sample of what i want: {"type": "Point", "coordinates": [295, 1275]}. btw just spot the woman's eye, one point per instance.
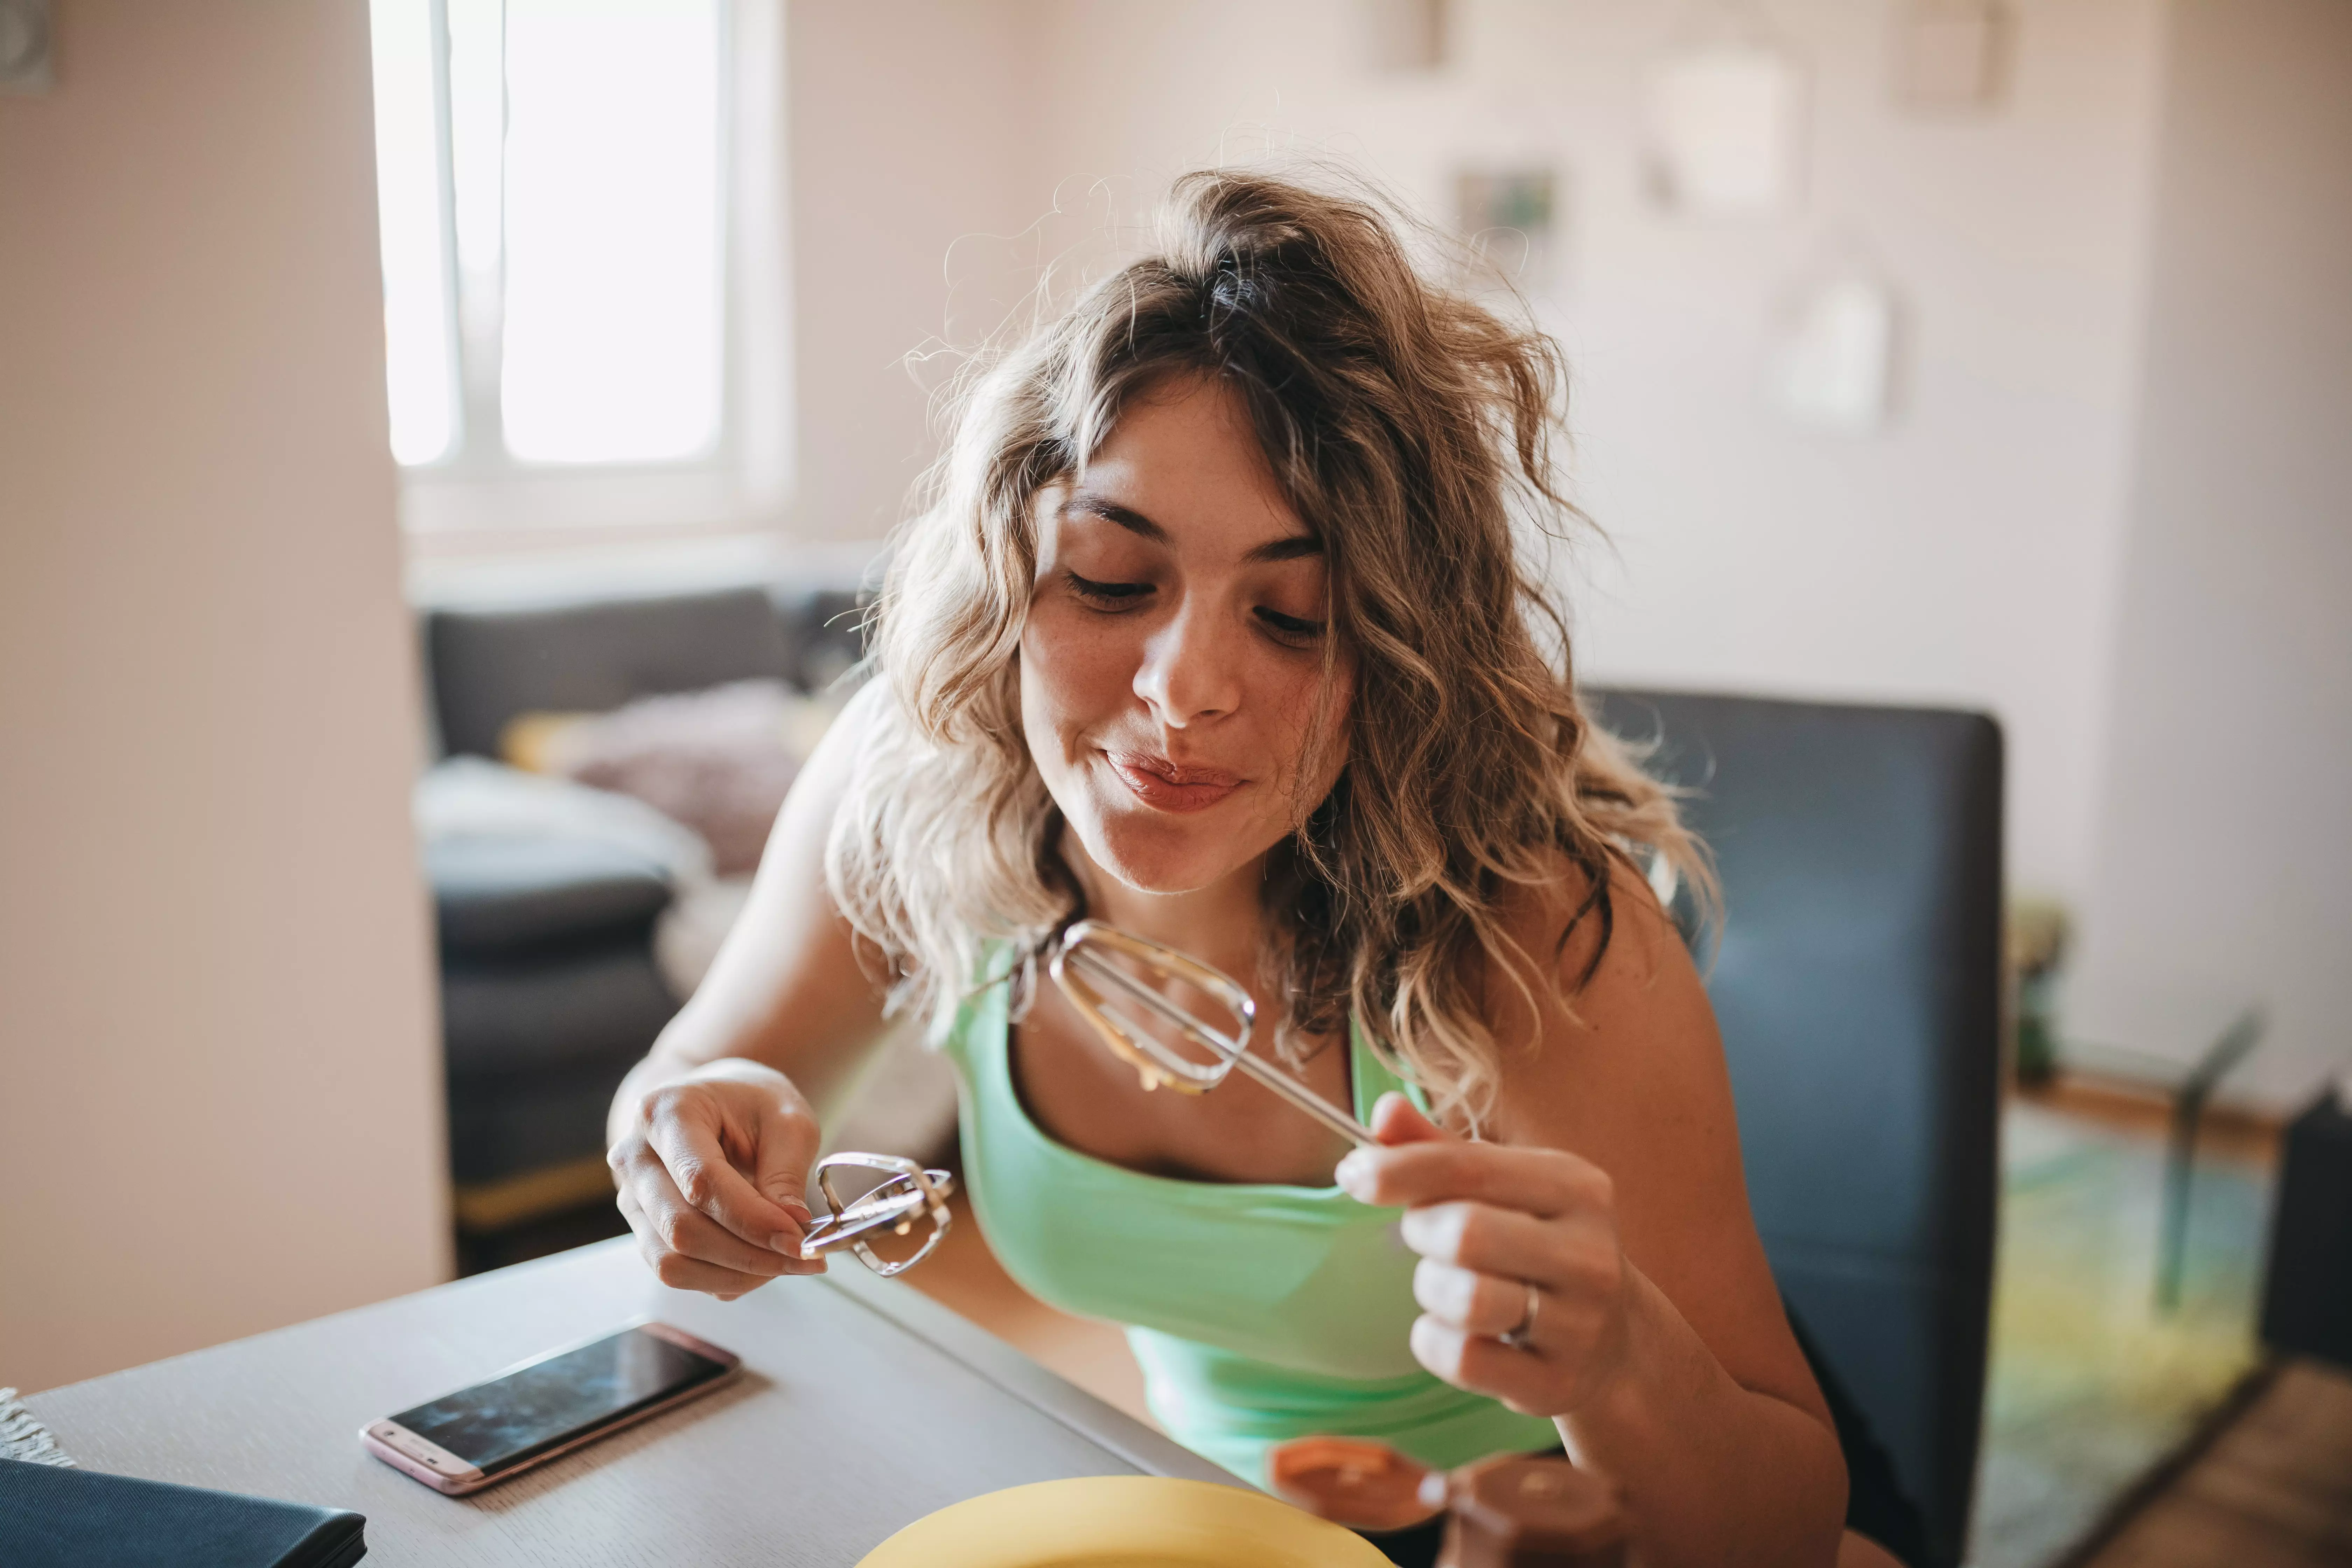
{"type": "Point", "coordinates": [1289, 630]}
{"type": "Point", "coordinates": [1106, 596]}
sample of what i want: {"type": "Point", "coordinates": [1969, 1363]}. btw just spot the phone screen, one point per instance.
{"type": "Point", "coordinates": [509, 1419]}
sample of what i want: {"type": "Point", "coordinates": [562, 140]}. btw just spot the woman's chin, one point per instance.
{"type": "Point", "coordinates": [1163, 856]}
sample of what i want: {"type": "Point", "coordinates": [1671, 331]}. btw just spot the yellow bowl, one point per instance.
{"type": "Point", "coordinates": [1123, 1522]}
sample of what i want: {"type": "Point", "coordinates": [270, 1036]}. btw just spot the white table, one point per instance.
{"type": "Point", "coordinates": [862, 1406]}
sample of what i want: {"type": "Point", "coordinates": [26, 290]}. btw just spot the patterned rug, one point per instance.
{"type": "Point", "coordinates": [2090, 1383]}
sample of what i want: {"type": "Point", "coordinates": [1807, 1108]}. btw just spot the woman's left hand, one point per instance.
{"type": "Point", "coordinates": [1513, 1241]}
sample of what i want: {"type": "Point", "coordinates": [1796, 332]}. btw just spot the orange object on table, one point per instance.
{"type": "Point", "coordinates": [1509, 1511]}
{"type": "Point", "coordinates": [1356, 1483]}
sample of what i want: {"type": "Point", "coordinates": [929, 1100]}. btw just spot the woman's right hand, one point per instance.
{"type": "Point", "coordinates": [711, 1168]}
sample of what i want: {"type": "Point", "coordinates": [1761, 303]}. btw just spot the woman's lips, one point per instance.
{"type": "Point", "coordinates": [1157, 782]}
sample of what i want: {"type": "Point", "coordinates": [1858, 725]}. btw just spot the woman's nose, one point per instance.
{"type": "Point", "coordinates": [1190, 670]}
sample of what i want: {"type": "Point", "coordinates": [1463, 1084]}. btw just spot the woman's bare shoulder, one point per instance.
{"type": "Point", "coordinates": [1585, 938]}
{"type": "Point", "coordinates": [1606, 1009]}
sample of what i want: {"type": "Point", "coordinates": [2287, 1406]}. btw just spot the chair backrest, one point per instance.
{"type": "Point", "coordinates": [1857, 981]}
{"type": "Point", "coordinates": [489, 665]}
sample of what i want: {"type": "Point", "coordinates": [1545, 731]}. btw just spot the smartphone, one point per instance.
{"type": "Point", "coordinates": [550, 1405]}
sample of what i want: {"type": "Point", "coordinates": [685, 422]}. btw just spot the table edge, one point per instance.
{"type": "Point", "coordinates": [1046, 1392]}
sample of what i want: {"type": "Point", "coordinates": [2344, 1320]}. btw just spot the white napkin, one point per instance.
{"type": "Point", "coordinates": [21, 1436]}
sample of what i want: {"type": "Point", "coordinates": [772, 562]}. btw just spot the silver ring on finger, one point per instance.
{"type": "Point", "coordinates": [1518, 1336]}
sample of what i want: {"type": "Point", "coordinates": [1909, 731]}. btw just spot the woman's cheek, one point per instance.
{"type": "Point", "coordinates": [1313, 717]}
{"type": "Point", "coordinates": [1071, 674]}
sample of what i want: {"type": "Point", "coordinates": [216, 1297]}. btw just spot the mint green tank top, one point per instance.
{"type": "Point", "coordinates": [1258, 1313]}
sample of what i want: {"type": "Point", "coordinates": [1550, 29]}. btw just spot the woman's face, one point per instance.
{"type": "Point", "coordinates": [1173, 655]}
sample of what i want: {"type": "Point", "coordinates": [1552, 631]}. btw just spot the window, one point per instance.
{"type": "Point", "coordinates": [560, 219]}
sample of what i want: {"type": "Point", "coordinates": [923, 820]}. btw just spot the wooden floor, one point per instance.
{"type": "Point", "coordinates": [2270, 1488]}
{"type": "Point", "coordinates": [2227, 1130]}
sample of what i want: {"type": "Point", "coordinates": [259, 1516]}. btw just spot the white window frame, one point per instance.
{"type": "Point", "coordinates": [480, 501]}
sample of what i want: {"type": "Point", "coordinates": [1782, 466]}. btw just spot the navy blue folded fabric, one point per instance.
{"type": "Point", "coordinates": [56, 1518]}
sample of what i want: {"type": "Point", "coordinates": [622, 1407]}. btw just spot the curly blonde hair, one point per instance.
{"type": "Point", "coordinates": [1413, 430]}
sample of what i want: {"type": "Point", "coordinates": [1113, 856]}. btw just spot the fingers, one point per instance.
{"type": "Point", "coordinates": [1566, 1346]}
{"type": "Point", "coordinates": [676, 1270]}
{"type": "Point", "coordinates": [690, 1171]}
{"type": "Point", "coordinates": [1577, 1253]}
{"type": "Point", "coordinates": [1396, 1120]}
{"type": "Point", "coordinates": [1483, 1365]}
{"type": "Point", "coordinates": [686, 1136]}
{"type": "Point", "coordinates": [1546, 1182]}
{"type": "Point", "coordinates": [786, 1148]}
{"type": "Point", "coordinates": [1497, 1227]}
{"type": "Point", "coordinates": [1464, 1299]}
{"type": "Point", "coordinates": [687, 1249]}
{"type": "Point", "coordinates": [685, 1274]}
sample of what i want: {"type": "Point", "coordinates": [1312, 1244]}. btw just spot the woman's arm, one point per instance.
{"type": "Point", "coordinates": [713, 1134]}
{"type": "Point", "coordinates": [1613, 1186]}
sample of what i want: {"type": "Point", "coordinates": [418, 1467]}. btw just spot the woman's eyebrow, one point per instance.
{"type": "Point", "coordinates": [1288, 547]}
{"type": "Point", "coordinates": [1126, 517]}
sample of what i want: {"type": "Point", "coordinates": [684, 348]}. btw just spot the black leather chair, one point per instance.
{"type": "Point", "coordinates": [1857, 979]}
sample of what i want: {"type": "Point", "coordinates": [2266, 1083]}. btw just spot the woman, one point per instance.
{"type": "Point", "coordinates": [1214, 629]}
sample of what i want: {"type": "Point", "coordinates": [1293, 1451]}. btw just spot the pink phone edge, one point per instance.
{"type": "Point", "coordinates": [416, 1471]}
{"type": "Point", "coordinates": [447, 1486]}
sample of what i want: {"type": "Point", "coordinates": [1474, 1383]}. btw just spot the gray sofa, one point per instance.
{"type": "Point", "coordinates": [549, 990]}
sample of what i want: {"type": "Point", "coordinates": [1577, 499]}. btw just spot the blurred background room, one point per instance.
{"type": "Point", "coordinates": [444, 444]}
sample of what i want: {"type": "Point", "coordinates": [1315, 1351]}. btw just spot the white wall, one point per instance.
{"type": "Point", "coordinates": [1968, 556]}
{"type": "Point", "coordinates": [2224, 850]}
{"type": "Point", "coordinates": [219, 1092]}
{"type": "Point", "coordinates": [911, 153]}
